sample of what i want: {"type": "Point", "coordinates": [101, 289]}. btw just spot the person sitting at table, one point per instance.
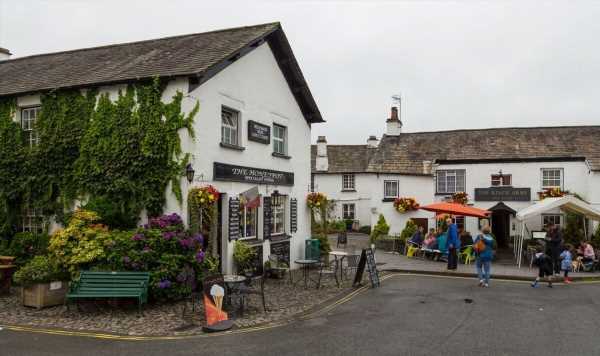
{"type": "Point", "coordinates": [587, 251]}
{"type": "Point", "coordinates": [430, 239]}
{"type": "Point", "coordinates": [415, 242]}
{"type": "Point", "coordinates": [465, 239]}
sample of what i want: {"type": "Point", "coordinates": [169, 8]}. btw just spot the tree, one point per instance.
{"type": "Point", "coordinates": [381, 228]}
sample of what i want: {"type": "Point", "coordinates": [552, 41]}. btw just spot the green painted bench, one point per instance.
{"type": "Point", "coordinates": [94, 285]}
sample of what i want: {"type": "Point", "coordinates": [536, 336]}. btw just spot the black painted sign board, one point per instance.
{"type": "Point", "coordinates": [234, 218]}
{"type": "Point", "coordinates": [232, 173]}
{"type": "Point", "coordinates": [258, 132]}
{"type": "Point", "coordinates": [502, 194]}
{"type": "Point", "coordinates": [367, 259]}
{"type": "Point", "coordinates": [282, 251]}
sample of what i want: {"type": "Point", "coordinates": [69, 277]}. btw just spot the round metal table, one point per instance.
{"type": "Point", "coordinates": [232, 282]}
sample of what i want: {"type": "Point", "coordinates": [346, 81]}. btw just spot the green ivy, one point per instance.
{"type": "Point", "coordinates": [127, 152]}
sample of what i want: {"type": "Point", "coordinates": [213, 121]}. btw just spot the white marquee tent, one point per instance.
{"type": "Point", "coordinates": [567, 203]}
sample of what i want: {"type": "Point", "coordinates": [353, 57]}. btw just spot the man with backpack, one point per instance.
{"type": "Point", "coordinates": [484, 251]}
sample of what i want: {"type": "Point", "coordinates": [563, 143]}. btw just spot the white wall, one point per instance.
{"type": "Point", "coordinates": [331, 184]}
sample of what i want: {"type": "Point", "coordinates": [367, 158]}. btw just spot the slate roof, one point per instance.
{"type": "Point", "coordinates": [345, 158]}
{"type": "Point", "coordinates": [405, 154]}
{"type": "Point", "coordinates": [201, 55]}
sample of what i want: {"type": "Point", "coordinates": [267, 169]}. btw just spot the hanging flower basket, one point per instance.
{"type": "Point", "coordinates": [551, 193]}
{"type": "Point", "coordinates": [404, 205]}
{"type": "Point", "coordinates": [460, 198]}
{"type": "Point", "coordinates": [204, 197]}
{"type": "Point", "coordinates": [316, 200]}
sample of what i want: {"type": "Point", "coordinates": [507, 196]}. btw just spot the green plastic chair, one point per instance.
{"type": "Point", "coordinates": [467, 255]}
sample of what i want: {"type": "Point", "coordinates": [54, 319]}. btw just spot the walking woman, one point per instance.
{"type": "Point", "coordinates": [483, 247]}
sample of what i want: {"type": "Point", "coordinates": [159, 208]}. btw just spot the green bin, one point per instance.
{"type": "Point", "coordinates": [312, 249]}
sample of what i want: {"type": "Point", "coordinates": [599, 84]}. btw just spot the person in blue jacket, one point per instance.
{"type": "Point", "coordinates": [485, 253]}
{"type": "Point", "coordinates": [453, 244]}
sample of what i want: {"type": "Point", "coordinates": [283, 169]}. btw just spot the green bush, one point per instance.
{"type": "Point", "coordinates": [26, 245]}
{"type": "Point", "coordinates": [573, 232]}
{"type": "Point", "coordinates": [409, 229]}
{"type": "Point", "coordinates": [324, 246]}
{"type": "Point", "coordinates": [337, 225]}
{"type": "Point", "coordinates": [365, 229]}
{"type": "Point", "coordinates": [112, 213]}
{"type": "Point", "coordinates": [40, 269]}
{"type": "Point", "coordinates": [243, 255]}
{"type": "Point", "coordinates": [596, 238]}
{"type": "Point", "coordinates": [381, 228]}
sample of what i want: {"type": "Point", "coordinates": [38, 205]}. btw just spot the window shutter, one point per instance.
{"type": "Point", "coordinates": [267, 217]}
{"type": "Point", "coordinates": [234, 218]}
{"type": "Point", "coordinates": [293, 215]}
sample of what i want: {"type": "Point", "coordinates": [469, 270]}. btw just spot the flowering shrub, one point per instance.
{"type": "Point", "coordinates": [316, 200]}
{"type": "Point", "coordinates": [204, 196]}
{"type": "Point", "coordinates": [551, 193]}
{"type": "Point", "coordinates": [40, 269]}
{"type": "Point", "coordinates": [403, 205]}
{"type": "Point", "coordinates": [460, 198]}
{"type": "Point", "coordinates": [80, 244]}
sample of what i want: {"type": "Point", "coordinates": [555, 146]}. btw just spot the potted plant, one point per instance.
{"type": "Point", "coordinates": [349, 223]}
{"type": "Point", "coordinates": [243, 255]}
{"type": "Point", "coordinates": [276, 269]}
{"type": "Point", "coordinates": [43, 283]}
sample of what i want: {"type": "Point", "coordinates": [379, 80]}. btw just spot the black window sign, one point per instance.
{"type": "Point", "coordinates": [231, 173]}
{"type": "Point", "coordinates": [267, 217]}
{"type": "Point", "coordinates": [367, 259]}
{"type": "Point", "coordinates": [258, 132]}
{"type": "Point", "coordinates": [293, 215]}
{"type": "Point", "coordinates": [282, 251]}
{"type": "Point", "coordinates": [234, 218]}
{"type": "Point", "coordinates": [502, 194]}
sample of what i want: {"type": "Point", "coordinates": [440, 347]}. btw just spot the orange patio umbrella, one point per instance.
{"type": "Point", "coordinates": [456, 209]}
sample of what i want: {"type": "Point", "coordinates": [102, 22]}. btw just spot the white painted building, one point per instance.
{"type": "Point", "coordinates": [252, 130]}
{"type": "Point", "coordinates": [501, 170]}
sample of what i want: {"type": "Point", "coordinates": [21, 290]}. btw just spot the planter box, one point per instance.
{"type": "Point", "coordinates": [44, 294]}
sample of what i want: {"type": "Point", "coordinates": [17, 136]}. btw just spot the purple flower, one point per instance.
{"type": "Point", "coordinates": [199, 238]}
{"type": "Point", "coordinates": [186, 243]}
{"type": "Point", "coordinates": [200, 256]}
{"type": "Point", "coordinates": [163, 284]}
{"type": "Point", "coordinates": [138, 237]}
{"type": "Point", "coordinates": [126, 259]}
{"type": "Point", "coordinates": [167, 235]}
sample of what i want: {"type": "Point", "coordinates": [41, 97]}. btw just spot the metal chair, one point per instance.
{"type": "Point", "coordinates": [352, 261]}
{"type": "Point", "coordinates": [253, 286]}
{"type": "Point", "coordinates": [326, 269]}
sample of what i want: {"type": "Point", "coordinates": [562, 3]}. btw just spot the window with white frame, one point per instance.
{"type": "Point", "coordinates": [279, 139]}
{"type": "Point", "coordinates": [28, 118]}
{"type": "Point", "coordinates": [278, 216]}
{"type": "Point", "coordinates": [32, 221]}
{"type": "Point", "coordinates": [552, 178]}
{"type": "Point", "coordinates": [459, 221]}
{"type": "Point", "coordinates": [248, 222]}
{"type": "Point", "coordinates": [555, 219]}
{"type": "Point", "coordinates": [450, 181]}
{"type": "Point", "coordinates": [499, 180]}
{"type": "Point", "coordinates": [348, 182]}
{"type": "Point", "coordinates": [390, 189]}
{"type": "Point", "coordinates": [348, 211]}
{"type": "Point", "coordinates": [230, 123]}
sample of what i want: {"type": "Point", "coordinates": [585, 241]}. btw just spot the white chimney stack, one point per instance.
{"type": "Point", "coordinates": [394, 125]}
{"type": "Point", "coordinates": [427, 166]}
{"type": "Point", "coordinates": [322, 162]}
{"type": "Point", "coordinates": [372, 142]}
{"type": "Point", "coordinates": [4, 54]}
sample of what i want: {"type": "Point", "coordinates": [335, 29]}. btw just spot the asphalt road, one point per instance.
{"type": "Point", "coordinates": [408, 315]}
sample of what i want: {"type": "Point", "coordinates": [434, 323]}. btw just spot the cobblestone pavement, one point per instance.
{"type": "Point", "coordinates": [283, 301]}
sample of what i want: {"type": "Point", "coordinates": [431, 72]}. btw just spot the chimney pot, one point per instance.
{"type": "Point", "coordinates": [372, 141]}
{"type": "Point", "coordinates": [4, 54]}
{"type": "Point", "coordinates": [394, 125]}
{"type": "Point", "coordinates": [322, 161]}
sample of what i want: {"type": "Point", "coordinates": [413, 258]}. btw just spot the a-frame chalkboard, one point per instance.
{"type": "Point", "coordinates": [367, 259]}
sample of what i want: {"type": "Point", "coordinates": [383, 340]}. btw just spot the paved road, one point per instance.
{"type": "Point", "coordinates": [408, 315]}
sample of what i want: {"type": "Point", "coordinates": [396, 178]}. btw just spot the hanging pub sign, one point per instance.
{"type": "Point", "coordinates": [502, 194]}
{"type": "Point", "coordinates": [232, 173]}
{"type": "Point", "coordinates": [258, 132]}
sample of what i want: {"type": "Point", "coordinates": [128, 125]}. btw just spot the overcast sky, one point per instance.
{"type": "Point", "coordinates": [456, 64]}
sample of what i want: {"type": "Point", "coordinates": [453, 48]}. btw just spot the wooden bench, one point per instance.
{"type": "Point", "coordinates": [94, 285]}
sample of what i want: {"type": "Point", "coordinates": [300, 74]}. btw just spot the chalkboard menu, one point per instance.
{"type": "Point", "coordinates": [367, 259]}
{"type": "Point", "coordinates": [282, 251]}
{"type": "Point", "coordinates": [267, 217]}
{"type": "Point", "coordinates": [234, 218]}
{"type": "Point", "coordinates": [293, 215]}
{"type": "Point", "coordinates": [342, 238]}
{"type": "Point", "coordinates": [258, 132]}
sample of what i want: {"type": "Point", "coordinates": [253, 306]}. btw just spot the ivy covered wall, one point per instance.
{"type": "Point", "coordinates": [124, 152]}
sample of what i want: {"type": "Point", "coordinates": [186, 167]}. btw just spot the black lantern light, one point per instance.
{"type": "Point", "coordinates": [189, 172]}
{"type": "Point", "coordinates": [276, 198]}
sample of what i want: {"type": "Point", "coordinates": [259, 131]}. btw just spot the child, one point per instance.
{"type": "Point", "coordinates": [544, 263]}
{"type": "Point", "coordinates": [566, 261]}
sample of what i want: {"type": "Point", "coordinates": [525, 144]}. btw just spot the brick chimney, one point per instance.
{"type": "Point", "coordinates": [322, 162]}
{"type": "Point", "coordinates": [372, 142]}
{"type": "Point", "coordinates": [4, 54]}
{"type": "Point", "coordinates": [394, 125]}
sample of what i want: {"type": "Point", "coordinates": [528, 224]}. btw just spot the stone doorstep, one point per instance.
{"type": "Point", "coordinates": [557, 279]}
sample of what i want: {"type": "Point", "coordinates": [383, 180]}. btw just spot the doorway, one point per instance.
{"type": "Point", "coordinates": [501, 227]}
{"type": "Point", "coordinates": [423, 222]}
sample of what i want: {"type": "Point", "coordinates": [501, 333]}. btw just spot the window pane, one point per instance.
{"type": "Point", "coordinates": [441, 181]}
{"type": "Point", "coordinates": [229, 126]}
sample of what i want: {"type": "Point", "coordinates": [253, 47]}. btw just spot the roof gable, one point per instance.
{"type": "Point", "coordinates": [200, 56]}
